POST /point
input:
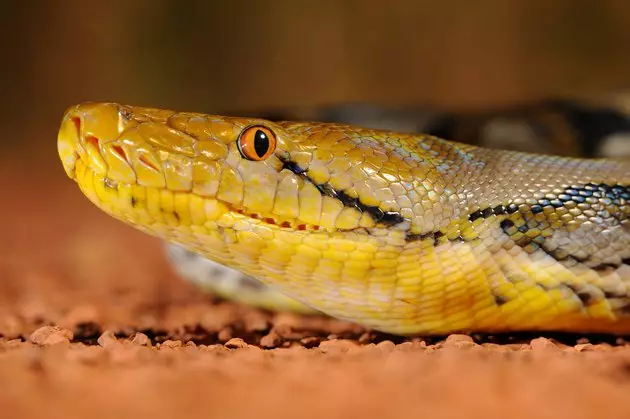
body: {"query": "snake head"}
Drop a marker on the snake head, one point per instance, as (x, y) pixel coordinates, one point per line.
(324, 212)
(153, 167)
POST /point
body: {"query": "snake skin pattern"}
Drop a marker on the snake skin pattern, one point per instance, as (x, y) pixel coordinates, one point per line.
(407, 234)
(228, 283)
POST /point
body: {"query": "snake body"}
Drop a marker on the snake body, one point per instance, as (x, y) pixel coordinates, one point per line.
(408, 234)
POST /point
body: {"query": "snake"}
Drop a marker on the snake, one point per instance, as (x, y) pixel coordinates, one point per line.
(403, 233)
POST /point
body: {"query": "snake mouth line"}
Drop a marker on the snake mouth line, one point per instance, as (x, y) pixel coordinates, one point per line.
(283, 224)
(253, 217)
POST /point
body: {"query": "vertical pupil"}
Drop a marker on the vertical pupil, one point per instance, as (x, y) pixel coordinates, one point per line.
(261, 143)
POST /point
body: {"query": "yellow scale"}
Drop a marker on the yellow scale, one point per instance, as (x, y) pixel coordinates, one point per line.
(365, 225)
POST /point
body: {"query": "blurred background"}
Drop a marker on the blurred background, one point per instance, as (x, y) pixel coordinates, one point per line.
(448, 66)
(546, 76)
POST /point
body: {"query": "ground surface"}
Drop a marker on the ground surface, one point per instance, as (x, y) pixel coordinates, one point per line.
(93, 323)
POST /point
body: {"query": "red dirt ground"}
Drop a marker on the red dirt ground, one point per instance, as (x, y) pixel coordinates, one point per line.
(93, 324)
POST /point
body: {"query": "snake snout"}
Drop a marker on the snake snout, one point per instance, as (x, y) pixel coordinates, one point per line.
(86, 133)
(68, 141)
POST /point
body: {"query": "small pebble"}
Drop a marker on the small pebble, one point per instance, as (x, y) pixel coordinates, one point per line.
(285, 331)
(51, 335)
(107, 339)
(310, 342)
(270, 340)
(140, 339)
(366, 337)
(459, 341)
(171, 344)
(213, 348)
(235, 343)
(386, 346)
(543, 344)
(583, 347)
(596, 348)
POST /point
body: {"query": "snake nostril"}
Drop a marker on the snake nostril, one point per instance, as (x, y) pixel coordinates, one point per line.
(77, 124)
(118, 150)
(146, 161)
(94, 141)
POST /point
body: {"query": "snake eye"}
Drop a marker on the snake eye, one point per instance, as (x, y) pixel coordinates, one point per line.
(256, 143)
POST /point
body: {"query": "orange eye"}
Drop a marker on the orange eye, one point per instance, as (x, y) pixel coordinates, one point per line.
(256, 143)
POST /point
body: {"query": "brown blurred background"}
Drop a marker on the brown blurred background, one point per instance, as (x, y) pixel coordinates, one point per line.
(261, 56)
(545, 76)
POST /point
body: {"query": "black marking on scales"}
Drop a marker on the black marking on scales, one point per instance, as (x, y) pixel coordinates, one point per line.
(326, 189)
(591, 195)
(490, 211)
(439, 236)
